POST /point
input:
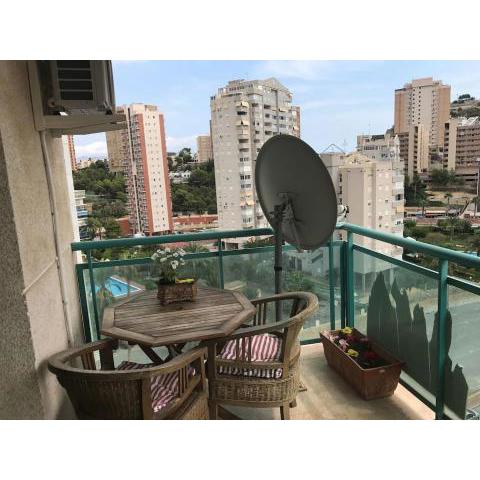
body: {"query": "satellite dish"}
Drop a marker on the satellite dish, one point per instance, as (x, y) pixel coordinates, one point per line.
(296, 194)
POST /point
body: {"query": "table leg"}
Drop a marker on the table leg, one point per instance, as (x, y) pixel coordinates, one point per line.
(150, 353)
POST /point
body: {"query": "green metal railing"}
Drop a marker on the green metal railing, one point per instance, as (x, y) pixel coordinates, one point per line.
(346, 274)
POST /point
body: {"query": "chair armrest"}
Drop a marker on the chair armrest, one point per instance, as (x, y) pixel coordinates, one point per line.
(57, 361)
(250, 331)
(286, 296)
(179, 362)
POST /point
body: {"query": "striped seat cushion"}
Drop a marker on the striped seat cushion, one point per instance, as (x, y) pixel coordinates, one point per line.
(264, 348)
(164, 387)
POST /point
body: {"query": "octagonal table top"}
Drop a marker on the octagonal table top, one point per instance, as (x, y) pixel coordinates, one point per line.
(143, 320)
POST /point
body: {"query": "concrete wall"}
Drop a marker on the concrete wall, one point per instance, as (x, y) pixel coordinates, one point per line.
(32, 320)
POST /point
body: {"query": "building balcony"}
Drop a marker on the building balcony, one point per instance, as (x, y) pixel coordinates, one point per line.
(56, 292)
(394, 301)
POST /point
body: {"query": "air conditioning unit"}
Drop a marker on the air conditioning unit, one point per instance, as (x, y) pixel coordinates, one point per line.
(73, 97)
(82, 86)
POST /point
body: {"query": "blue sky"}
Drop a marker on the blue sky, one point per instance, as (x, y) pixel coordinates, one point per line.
(339, 99)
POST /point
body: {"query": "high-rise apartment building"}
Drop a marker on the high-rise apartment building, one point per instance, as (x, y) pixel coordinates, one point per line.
(373, 192)
(244, 114)
(116, 150)
(69, 151)
(425, 102)
(204, 148)
(414, 150)
(462, 143)
(141, 147)
(386, 148)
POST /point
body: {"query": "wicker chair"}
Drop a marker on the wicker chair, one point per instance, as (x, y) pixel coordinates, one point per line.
(174, 390)
(258, 365)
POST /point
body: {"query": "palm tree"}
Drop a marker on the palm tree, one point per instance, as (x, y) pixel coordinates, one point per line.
(423, 204)
(94, 227)
(448, 196)
(452, 223)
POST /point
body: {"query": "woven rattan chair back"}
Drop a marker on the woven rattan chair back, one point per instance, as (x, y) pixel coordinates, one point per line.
(98, 391)
(245, 381)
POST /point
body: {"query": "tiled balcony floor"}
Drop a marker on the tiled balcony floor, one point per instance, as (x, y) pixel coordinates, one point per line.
(328, 397)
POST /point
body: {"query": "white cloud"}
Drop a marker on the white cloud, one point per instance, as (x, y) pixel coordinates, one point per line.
(174, 144)
(93, 149)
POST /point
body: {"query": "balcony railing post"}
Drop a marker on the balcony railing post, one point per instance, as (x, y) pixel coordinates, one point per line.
(87, 329)
(441, 338)
(330, 284)
(350, 281)
(343, 285)
(93, 291)
(220, 264)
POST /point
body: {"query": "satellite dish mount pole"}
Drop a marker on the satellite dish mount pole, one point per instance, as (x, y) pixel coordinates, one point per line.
(278, 266)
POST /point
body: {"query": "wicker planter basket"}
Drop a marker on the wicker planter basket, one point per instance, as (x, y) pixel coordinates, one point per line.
(370, 383)
(177, 292)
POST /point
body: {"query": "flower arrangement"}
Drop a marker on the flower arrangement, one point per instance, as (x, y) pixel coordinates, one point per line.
(358, 348)
(167, 261)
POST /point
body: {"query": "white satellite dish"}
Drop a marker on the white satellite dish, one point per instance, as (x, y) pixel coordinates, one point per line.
(297, 195)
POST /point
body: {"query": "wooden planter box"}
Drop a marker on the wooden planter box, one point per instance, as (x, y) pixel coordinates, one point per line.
(177, 292)
(370, 383)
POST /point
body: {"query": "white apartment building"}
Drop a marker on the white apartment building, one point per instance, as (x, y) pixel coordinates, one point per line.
(244, 114)
(369, 189)
(142, 147)
(381, 148)
(426, 102)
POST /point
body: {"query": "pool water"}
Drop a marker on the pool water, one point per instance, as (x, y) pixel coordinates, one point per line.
(118, 288)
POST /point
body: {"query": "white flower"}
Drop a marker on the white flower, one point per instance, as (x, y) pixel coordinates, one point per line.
(167, 250)
(154, 256)
(174, 264)
(175, 254)
(163, 259)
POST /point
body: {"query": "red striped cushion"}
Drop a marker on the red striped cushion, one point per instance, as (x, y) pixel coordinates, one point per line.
(164, 387)
(264, 348)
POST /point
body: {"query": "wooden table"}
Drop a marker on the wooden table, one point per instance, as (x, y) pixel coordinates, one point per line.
(142, 320)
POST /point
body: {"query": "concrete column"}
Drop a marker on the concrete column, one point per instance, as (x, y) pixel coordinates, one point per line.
(32, 321)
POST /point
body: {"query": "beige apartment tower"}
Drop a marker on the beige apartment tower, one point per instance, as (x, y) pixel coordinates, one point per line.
(141, 150)
(245, 114)
(461, 147)
(426, 102)
(373, 192)
(116, 150)
(204, 148)
(414, 150)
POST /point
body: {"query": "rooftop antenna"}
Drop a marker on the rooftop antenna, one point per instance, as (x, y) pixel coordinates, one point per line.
(297, 197)
(333, 148)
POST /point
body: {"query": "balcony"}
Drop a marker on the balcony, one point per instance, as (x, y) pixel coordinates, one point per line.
(54, 292)
(392, 300)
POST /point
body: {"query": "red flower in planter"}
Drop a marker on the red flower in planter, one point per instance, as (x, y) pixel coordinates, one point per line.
(370, 355)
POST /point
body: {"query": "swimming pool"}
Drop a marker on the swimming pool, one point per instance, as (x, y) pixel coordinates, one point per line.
(117, 287)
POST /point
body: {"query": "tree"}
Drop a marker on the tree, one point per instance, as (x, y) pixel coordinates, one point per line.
(476, 244)
(198, 195)
(94, 228)
(448, 197)
(423, 204)
(259, 242)
(183, 157)
(415, 190)
(439, 177)
(112, 228)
